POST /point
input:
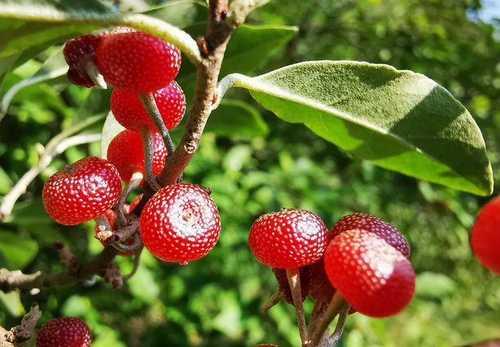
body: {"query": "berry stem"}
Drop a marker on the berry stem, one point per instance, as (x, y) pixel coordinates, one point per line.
(339, 328)
(294, 282)
(148, 159)
(135, 266)
(319, 327)
(271, 301)
(135, 181)
(150, 104)
(95, 75)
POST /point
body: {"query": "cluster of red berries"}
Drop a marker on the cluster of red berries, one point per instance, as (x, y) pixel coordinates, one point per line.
(362, 257)
(180, 223)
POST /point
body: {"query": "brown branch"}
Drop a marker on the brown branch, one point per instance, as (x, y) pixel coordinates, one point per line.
(295, 288)
(24, 331)
(321, 324)
(10, 280)
(212, 46)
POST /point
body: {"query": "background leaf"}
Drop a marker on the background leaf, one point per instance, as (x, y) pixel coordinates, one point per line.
(399, 120)
(17, 250)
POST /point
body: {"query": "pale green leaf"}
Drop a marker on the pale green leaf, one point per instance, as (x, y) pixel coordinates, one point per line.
(400, 120)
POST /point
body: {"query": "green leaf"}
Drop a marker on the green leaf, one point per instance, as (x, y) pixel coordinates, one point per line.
(55, 67)
(18, 250)
(237, 119)
(12, 302)
(251, 46)
(434, 285)
(110, 129)
(400, 120)
(5, 182)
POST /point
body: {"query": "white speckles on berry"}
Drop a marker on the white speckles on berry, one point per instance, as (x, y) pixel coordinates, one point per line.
(64, 332)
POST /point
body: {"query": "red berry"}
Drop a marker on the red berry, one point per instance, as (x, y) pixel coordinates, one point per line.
(485, 239)
(126, 152)
(138, 61)
(82, 191)
(130, 112)
(180, 223)
(79, 52)
(288, 239)
(64, 332)
(374, 277)
(386, 231)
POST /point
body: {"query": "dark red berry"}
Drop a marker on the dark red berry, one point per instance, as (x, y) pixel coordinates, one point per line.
(138, 61)
(79, 52)
(76, 77)
(82, 191)
(130, 112)
(180, 223)
(288, 239)
(374, 277)
(370, 223)
(485, 239)
(64, 332)
(126, 152)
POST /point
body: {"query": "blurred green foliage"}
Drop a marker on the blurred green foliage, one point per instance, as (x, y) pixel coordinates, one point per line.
(215, 301)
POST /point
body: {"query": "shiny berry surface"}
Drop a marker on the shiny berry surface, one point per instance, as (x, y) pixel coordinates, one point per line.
(130, 112)
(485, 239)
(64, 332)
(180, 223)
(79, 52)
(288, 239)
(126, 152)
(82, 191)
(377, 226)
(137, 61)
(374, 277)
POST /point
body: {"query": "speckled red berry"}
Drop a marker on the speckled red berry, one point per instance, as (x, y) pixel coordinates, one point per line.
(288, 239)
(485, 238)
(82, 191)
(64, 332)
(137, 61)
(374, 277)
(130, 112)
(126, 152)
(79, 52)
(180, 223)
(375, 225)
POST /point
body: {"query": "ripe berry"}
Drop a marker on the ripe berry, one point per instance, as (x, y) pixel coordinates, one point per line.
(126, 152)
(130, 112)
(64, 332)
(137, 61)
(386, 231)
(79, 52)
(288, 239)
(485, 238)
(82, 191)
(374, 277)
(180, 223)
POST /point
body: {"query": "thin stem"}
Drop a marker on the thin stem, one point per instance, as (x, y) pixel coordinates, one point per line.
(137, 262)
(135, 181)
(293, 276)
(148, 159)
(150, 104)
(324, 320)
(339, 328)
(271, 301)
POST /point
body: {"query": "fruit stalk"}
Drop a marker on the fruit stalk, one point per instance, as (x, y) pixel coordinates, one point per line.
(294, 282)
(150, 104)
(320, 326)
(148, 160)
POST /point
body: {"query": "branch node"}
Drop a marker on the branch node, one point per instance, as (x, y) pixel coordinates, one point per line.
(24, 331)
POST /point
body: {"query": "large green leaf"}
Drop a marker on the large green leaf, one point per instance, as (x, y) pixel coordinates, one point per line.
(400, 120)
